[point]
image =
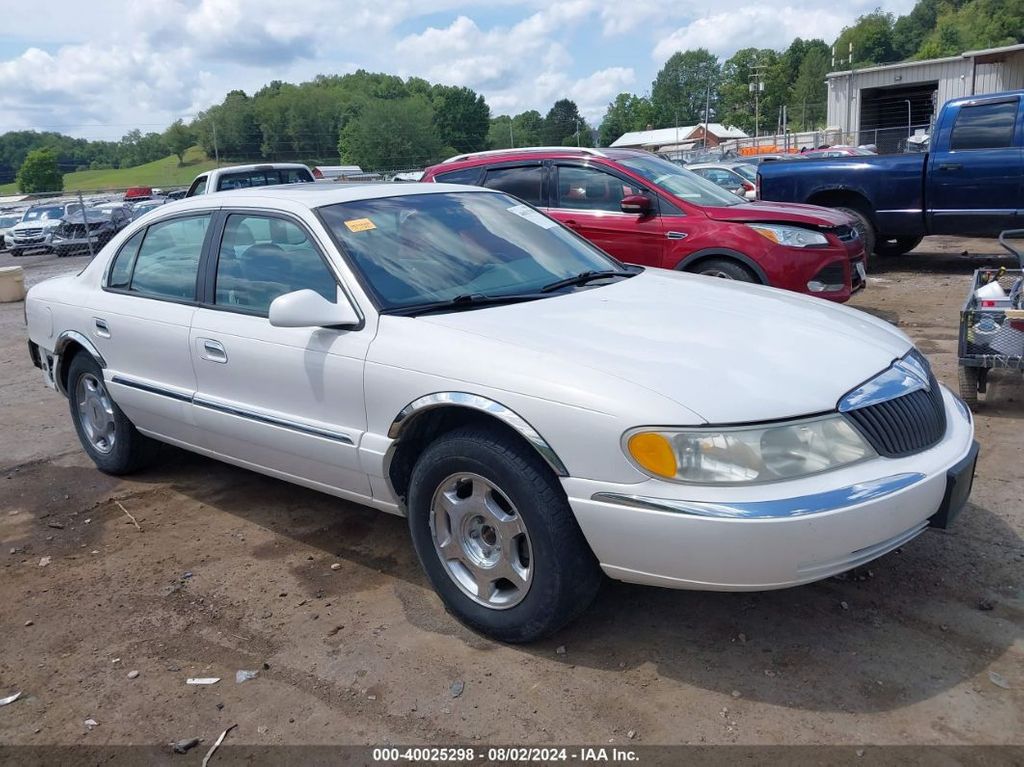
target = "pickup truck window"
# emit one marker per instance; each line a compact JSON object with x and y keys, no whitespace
{"x":984,"y":126}
{"x":271,"y":177}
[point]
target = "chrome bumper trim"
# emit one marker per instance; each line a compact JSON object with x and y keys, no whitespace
{"x":783,"y":508}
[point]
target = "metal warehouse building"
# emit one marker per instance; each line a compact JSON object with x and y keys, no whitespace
{"x":885,"y":105}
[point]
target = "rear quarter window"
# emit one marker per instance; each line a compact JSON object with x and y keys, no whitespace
{"x":463,"y":176}
{"x":984,"y":126}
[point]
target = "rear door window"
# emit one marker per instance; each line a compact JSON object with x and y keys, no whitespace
{"x":984,"y":126}
{"x":526,"y":183}
{"x":168,"y":259}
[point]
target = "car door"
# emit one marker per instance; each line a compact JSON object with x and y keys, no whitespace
{"x":141,"y":327}
{"x":285,"y":400}
{"x":588,"y":200}
{"x":975,"y":185}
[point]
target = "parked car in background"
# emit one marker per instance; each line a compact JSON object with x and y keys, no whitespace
{"x":138,"y":193}
{"x":141,"y":208}
{"x":740,"y":178}
{"x":336,"y":172}
{"x":36,"y":227}
{"x":837,"y":151}
{"x":176,"y":194}
{"x":538,"y":411}
{"x":86,"y":231}
{"x":120,"y":212}
{"x":245,"y":176}
{"x":7,"y":222}
{"x":645,"y":210}
{"x":758,"y":159}
{"x":968,"y":183}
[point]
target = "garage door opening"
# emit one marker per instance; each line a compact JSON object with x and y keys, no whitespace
{"x":889,"y":116}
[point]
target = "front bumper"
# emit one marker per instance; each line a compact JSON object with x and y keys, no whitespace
{"x":769,"y":536}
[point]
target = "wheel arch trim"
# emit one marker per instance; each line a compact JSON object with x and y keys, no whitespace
{"x":64,"y":340}
{"x":484,"y":405}
{"x":718,"y":252}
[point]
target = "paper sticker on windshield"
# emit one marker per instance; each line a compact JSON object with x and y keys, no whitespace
{"x":533,"y":216}
{"x":360,"y":224}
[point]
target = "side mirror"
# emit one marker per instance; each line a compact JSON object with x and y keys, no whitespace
{"x":308,"y":309}
{"x":640,"y":204}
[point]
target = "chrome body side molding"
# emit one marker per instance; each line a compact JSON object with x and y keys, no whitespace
{"x":485,"y":405}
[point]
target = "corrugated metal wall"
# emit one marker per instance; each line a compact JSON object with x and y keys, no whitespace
{"x":952,"y":75}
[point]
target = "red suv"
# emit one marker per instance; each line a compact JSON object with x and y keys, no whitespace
{"x":646,"y":210}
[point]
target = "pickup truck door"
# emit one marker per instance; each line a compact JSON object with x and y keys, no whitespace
{"x":286,"y":401}
{"x":974,"y":180}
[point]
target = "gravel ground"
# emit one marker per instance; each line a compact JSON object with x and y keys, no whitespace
{"x":229,"y":570}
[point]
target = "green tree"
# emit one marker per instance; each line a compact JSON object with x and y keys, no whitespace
{"x":626,"y":113}
{"x":561,"y":123}
{"x":178,"y":138}
{"x":737,"y":105}
{"x":499,"y":132}
{"x":462,"y":117}
{"x":40,"y":172}
{"x":528,"y":128}
{"x":872,"y":38}
{"x":392,"y":133}
{"x":810,"y":93}
{"x":680,"y":90}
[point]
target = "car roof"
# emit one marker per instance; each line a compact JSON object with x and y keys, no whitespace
{"x":314,"y":195}
{"x":534,"y":153}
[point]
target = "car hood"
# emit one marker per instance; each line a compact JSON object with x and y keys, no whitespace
{"x":785,"y":212}
{"x":729,"y":352}
{"x":38,"y":223}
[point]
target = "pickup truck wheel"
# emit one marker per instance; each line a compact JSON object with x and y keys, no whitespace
{"x":897,"y":246}
{"x":864,"y":228}
{"x":969,"y":379}
{"x":110,"y":439}
{"x":726,"y":269}
{"x":495,"y":534}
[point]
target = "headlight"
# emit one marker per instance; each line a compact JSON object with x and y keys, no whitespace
{"x":790,"y":236}
{"x":748,"y":454}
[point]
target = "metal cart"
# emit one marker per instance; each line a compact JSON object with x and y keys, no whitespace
{"x":992,"y":322}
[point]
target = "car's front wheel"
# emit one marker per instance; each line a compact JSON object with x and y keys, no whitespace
{"x":15,"y":252}
{"x":496,"y":536}
{"x":726,"y":269}
{"x":111,"y":440}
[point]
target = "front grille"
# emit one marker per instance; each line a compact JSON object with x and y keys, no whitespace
{"x":904,"y":425}
{"x":28,"y":233}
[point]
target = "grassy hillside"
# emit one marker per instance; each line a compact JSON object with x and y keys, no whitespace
{"x":163,"y":173}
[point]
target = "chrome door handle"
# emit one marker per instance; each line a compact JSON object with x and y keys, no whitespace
{"x":102,"y":329}
{"x":213,"y":351}
{"x":675,"y":235}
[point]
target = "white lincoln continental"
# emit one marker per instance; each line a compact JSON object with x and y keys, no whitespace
{"x":540,"y":412}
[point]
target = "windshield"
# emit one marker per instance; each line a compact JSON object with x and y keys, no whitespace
{"x":684,"y":184}
{"x":427,"y":248}
{"x":749,"y":172}
{"x":34,"y":214}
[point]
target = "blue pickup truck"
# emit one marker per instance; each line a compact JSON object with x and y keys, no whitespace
{"x":970,"y":183}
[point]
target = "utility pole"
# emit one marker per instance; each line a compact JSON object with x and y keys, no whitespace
{"x":849,"y":86}
{"x":757,"y":88}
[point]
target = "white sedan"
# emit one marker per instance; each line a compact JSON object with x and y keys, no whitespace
{"x":539,"y":411}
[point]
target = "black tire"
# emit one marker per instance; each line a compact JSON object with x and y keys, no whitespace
{"x":896,"y":246}
{"x":864,"y":228}
{"x":130,"y":450}
{"x":565,"y":575}
{"x":969,"y":379}
{"x":15,"y":253}
{"x":60,"y":252}
{"x":724,"y":268}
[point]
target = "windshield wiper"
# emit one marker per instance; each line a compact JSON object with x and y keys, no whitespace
{"x":464,"y":301}
{"x":584,"y":277}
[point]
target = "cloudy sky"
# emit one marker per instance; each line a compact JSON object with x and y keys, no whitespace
{"x":97,"y":68}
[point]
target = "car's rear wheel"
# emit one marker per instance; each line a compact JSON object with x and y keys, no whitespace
{"x":110,"y":439}
{"x":864,"y":228}
{"x":897,"y":246}
{"x":726,"y":269}
{"x":496,"y":536}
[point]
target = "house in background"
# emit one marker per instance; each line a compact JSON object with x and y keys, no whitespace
{"x":675,"y":143}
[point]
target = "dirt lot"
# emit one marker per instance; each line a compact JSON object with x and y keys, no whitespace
{"x":230,"y":570}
